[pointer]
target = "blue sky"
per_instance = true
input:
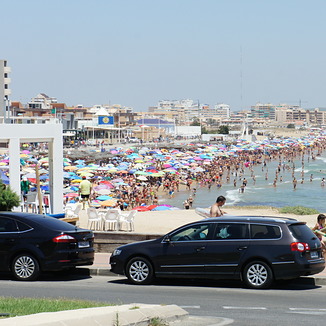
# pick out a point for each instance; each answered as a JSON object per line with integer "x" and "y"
{"x": 137, "y": 52}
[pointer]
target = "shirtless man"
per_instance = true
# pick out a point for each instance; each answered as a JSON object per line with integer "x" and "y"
{"x": 216, "y": 209}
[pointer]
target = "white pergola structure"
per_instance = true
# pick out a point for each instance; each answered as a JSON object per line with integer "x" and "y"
{"x": 15, "y": 134}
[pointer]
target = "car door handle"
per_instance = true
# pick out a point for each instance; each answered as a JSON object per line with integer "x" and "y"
{"x": 200, "y": 249}
{"x": 242, "y": 248}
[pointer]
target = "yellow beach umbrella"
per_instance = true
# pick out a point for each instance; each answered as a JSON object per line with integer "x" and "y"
{"x": 109, "y": 202}
{"x": 86, "y": 174}
{"x": 70, "y": 168}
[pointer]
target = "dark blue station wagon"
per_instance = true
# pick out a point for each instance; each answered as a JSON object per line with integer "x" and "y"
{"x": 257, "y": 250}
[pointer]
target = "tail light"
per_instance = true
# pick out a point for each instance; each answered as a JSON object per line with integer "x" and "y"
{"x": 300, "y": 246}
{"x": 64, "y": 238}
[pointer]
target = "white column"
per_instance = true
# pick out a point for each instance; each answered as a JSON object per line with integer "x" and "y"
{"x": 14, "y": 167}
{"x": 14, "y": 164}
{"x": 56, "y": 174}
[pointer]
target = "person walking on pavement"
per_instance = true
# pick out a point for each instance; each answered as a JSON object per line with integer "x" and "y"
{"x": 85, "y": 188}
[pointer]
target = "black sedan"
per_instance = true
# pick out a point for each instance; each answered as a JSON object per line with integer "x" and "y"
{"x": 31, "y": 244}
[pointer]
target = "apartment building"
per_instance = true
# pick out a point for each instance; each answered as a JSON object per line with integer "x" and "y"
{"x": 266, "y": 111}
{"x": 41, "y": 102}
{"x": 4, "y": 87}
{"x": 218, "y": 112}
{"x": 186, "y": 110}
{"x": 315, "y": 116}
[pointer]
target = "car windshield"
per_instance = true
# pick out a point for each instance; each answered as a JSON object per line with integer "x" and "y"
{"x": 301, "y": 232}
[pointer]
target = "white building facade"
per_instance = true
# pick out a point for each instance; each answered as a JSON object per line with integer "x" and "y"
{"x": 4, "y": 87}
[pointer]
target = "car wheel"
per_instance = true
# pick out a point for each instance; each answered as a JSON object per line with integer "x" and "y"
{"x": 25, "y": 267}
{"x": 257, "y": 275}
{"x": 139, "y": 271}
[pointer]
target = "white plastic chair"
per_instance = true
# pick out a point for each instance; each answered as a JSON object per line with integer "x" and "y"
{"x": 31, "y": 201}
{"x": 47, "y": 203}
{"x": 94, "y": 219}
{"x": 128, "y": 219}
{"x": 111, "y": 218}
{"x": 72, "y": 212}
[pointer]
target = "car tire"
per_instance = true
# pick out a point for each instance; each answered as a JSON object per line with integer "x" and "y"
{"x": 139, "y": 271}
{"x": 257, "y": 275}
{"x": 25, "y": 267}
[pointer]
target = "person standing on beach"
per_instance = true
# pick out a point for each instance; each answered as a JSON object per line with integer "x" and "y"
{"x": 216, "y": 209}
{"x": 85, "y": 188}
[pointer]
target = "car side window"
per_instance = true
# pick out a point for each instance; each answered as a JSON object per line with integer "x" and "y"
{"x": 7, "y": 225}
{"x": 259, "y": 231}
{"x": 192, "y": 233}
{"x": 231, "y": 231}
{"x": 23, "y": 227}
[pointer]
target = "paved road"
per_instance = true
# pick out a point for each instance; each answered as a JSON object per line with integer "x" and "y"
{"x": 283, "y": 305}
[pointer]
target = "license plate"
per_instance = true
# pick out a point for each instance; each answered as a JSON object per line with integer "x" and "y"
{"x": 314, "y": 254}
{"x": 83, "y": 244}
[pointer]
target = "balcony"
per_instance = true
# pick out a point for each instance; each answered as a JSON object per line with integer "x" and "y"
{"x": 7, "y": 92}
{"x": 7, "y": 80}
{"x": 6, "y": 70}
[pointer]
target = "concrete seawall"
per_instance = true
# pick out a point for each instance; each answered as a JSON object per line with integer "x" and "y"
{"x": 108, "y": 241}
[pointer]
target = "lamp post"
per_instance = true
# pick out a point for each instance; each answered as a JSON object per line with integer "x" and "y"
{"x": 6, "y": 113}
{"x": 119, "y": 127}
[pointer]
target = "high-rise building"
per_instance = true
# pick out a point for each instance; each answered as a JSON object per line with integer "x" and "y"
{"x": 4, "y": 87}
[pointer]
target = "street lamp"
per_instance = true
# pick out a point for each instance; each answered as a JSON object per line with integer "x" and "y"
{"x": 6, "y": 102}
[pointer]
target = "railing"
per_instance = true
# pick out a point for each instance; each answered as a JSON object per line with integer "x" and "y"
{"x": 30, "y": 120}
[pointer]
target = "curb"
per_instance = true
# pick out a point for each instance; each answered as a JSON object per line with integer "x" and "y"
{"x": 309, "y": 280}
{"x": 132, "y": 314}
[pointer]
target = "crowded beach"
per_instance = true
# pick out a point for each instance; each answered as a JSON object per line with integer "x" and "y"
{"x": 137, "y": 178}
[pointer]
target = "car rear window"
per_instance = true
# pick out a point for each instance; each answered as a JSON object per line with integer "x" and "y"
{"x": 53, "y": 223}
{"x": 301, "y": 232}
{"x": 263, "y": 231}
{"x": 22, "y": 226}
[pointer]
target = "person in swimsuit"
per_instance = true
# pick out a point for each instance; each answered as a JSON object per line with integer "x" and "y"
{"x": 216, "y": 209}
{"x": 321, "y": 218}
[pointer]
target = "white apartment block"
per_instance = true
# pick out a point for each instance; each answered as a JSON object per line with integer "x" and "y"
{"x": 4, "y": 86}
{"x": 187, "y": 108}
{"x": 42, "y": 101}
{"x": 218, "y": 112}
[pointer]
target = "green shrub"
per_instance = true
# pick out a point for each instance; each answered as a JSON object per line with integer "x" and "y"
{"x": 298, "y": 210}
{"x": 8, "y": 198}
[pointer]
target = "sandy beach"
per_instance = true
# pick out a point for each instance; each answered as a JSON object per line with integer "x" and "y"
{"x": 161, "y": 222}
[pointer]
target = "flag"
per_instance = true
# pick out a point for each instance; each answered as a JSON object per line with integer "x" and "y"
{"x": 105, "y": 120}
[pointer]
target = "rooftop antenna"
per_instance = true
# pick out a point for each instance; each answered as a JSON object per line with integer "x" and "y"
{"x": 241, "y": 78}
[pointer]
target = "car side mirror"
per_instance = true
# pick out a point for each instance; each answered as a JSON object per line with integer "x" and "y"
{"x": 167, "y": 239}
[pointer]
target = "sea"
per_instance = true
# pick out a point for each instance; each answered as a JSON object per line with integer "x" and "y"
{"x": 311, "y": 193}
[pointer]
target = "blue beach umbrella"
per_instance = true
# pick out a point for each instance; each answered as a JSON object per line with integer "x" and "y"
{"x": 103, "y": 197}
{"x": 4, "y": 178}
{"x": 161, "y": 208}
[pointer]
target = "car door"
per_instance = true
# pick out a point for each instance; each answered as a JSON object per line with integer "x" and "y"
{"x": 184, "y": 251}
{"x": 9, "y": 236}
{"x": 227, "y": 248}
